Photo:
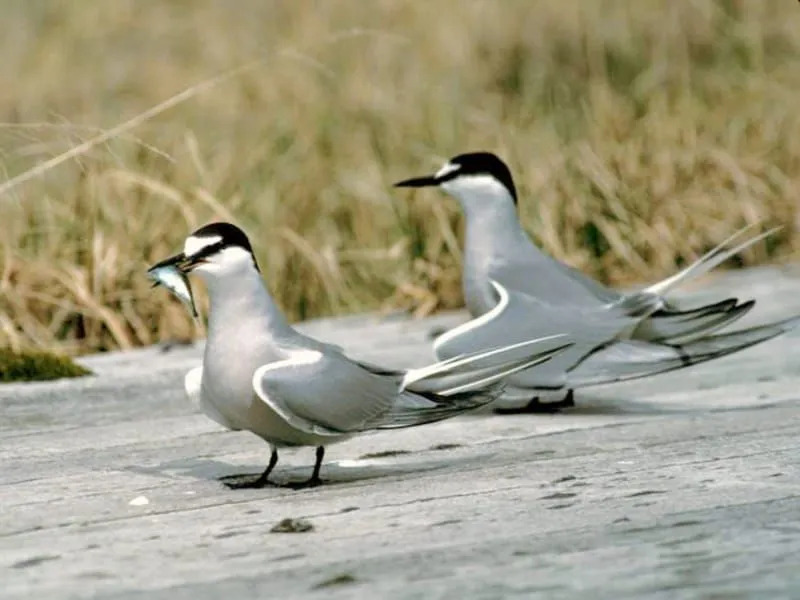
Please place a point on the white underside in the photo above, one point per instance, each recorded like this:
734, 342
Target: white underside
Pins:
266, 417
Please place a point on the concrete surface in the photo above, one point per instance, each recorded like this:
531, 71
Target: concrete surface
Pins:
685, 485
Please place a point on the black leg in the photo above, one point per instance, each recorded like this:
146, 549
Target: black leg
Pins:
315, 478
534, 406
262, 480
320, 454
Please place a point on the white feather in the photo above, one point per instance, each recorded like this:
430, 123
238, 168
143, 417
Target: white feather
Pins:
194, 244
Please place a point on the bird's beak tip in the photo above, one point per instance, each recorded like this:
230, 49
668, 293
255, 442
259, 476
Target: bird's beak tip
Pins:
173, 261
426, 181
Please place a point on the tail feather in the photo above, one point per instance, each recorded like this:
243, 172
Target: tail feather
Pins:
676, 327
418, 408
632, 359
651, 300
709, 261
464, 383
480, 369
670, 312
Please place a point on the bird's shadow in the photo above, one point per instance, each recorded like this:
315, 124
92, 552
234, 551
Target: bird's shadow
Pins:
394, 463
593, 406
333, 473
599, 405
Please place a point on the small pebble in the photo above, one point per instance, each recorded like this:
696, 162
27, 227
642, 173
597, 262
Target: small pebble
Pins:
139, 501
292, 526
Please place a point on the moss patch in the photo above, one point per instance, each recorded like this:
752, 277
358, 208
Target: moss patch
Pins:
36, 366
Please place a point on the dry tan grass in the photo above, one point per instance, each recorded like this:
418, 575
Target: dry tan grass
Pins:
640, 133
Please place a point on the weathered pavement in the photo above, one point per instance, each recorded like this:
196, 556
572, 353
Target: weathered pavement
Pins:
686, 485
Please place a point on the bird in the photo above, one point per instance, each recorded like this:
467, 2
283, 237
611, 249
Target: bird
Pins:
261, 375
514, 290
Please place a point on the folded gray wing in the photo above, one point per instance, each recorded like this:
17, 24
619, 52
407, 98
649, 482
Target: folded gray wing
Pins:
535, 273
325, 392
518, 317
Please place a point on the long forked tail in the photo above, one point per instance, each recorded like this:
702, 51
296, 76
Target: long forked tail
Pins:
463, 383
668, 324
650, 303
710, 260
631, 359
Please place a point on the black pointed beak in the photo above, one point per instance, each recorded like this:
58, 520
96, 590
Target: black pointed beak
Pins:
426, 181
179, 261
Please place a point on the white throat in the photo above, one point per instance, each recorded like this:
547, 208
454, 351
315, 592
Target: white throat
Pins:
493, 231
239, 300
480, 194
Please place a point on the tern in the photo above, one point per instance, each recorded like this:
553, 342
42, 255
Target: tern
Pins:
261, 375
514, 291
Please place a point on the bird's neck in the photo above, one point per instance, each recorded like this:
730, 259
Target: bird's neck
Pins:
242, 306
493, 232
491, 226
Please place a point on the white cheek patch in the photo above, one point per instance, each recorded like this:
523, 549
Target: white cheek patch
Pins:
483, 185
195, 245
446, 170
233, 255
230, 259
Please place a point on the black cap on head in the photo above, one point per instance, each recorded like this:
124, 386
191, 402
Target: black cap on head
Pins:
225, 235
229, 234
482, 163
472, 163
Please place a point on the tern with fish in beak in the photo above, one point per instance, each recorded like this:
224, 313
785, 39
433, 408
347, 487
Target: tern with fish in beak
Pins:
261, 375
166, 273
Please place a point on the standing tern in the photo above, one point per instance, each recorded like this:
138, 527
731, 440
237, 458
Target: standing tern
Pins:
261, 375
515, 291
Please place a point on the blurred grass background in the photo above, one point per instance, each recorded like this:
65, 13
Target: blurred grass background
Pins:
640, 133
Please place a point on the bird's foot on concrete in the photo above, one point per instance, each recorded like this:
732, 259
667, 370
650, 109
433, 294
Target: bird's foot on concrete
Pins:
238, 482
537, 407
302, 485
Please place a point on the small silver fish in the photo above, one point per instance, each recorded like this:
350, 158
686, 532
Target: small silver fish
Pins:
175, 280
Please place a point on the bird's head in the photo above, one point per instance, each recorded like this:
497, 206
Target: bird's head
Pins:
215, 251
472, 177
